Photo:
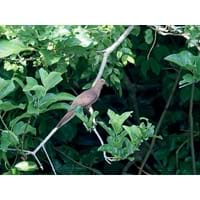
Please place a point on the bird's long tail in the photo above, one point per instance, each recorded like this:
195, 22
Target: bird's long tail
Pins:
66, 118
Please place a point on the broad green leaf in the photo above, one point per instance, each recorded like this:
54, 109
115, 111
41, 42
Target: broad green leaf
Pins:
6, 87
11, 47
8, 138
49, 57
7, 106
117, 120
43, 75
16, 119
59, 106
32, 85
183, 59
26, 166
23, 128
50, 80
50, 98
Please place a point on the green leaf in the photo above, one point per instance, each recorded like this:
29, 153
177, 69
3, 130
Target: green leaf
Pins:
51, 80
23, 128
107, 129
148, 36
8, 138
43, 75
50, 98
183, 59
7, 106
117, 120
134, 132
32, 85
16, 119
59, 106
119, 54
83, 37
136, 31
49, 57
131, 59
155, 67
187, 80
11, 47
6, 87
26, 166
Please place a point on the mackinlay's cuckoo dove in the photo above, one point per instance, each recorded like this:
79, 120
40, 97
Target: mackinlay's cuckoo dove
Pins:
85, 99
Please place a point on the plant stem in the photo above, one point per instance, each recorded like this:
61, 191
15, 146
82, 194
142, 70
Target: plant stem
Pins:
191, 122
160, 123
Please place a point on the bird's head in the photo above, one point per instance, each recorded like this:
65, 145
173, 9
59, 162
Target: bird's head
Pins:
99, 83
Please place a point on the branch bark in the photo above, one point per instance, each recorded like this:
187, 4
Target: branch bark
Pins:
160, 123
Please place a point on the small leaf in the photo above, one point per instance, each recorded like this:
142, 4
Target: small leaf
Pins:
148, 36
6, 87
43, 75
23, 128
131, 59
119, 54
51, 80
134, 132
8, 138
26, 166
107, 129
187, 80
7, 106
117, 120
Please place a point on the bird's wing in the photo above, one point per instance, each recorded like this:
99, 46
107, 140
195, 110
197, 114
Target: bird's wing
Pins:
86, 98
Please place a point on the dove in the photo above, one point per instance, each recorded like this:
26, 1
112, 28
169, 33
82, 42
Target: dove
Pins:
85, 99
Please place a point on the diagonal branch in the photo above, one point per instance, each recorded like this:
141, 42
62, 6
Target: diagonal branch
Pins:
160, 123
191, 122
109, 50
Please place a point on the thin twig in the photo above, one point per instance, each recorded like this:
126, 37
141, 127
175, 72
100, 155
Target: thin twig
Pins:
78, 163
45, 140
160, 122
51, 163
6, 127
107, 159
191, 122
109, 50
153, 45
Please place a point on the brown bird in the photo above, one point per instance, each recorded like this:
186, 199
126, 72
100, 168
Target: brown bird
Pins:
85, 99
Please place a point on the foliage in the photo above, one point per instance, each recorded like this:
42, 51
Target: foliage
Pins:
42, 69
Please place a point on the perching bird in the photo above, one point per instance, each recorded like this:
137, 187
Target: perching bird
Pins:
85, 99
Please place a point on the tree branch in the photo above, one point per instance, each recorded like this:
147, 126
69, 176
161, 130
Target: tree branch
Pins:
191, 122
109, 50
160, 123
